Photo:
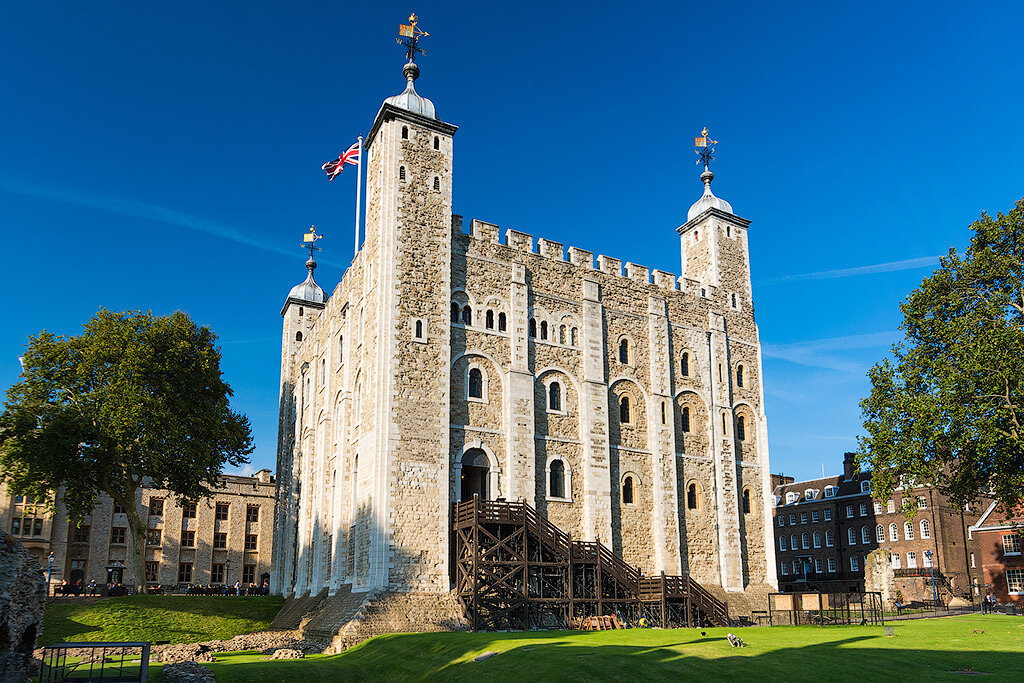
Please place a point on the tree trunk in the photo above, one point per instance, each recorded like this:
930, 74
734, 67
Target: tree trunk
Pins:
137, 565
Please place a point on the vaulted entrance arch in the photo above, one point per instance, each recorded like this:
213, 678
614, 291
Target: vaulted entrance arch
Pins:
476, 470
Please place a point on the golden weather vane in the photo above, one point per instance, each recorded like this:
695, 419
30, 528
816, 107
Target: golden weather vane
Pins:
409, 36
309, 240
705, 148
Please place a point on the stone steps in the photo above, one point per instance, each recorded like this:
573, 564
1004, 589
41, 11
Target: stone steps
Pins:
295, 608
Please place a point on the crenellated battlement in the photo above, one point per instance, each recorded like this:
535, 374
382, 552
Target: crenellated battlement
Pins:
557, 251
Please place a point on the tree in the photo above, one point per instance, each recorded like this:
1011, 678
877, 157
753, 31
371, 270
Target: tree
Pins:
948, 407
134, 399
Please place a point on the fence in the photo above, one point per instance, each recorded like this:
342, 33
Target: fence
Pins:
825, 609
95, 662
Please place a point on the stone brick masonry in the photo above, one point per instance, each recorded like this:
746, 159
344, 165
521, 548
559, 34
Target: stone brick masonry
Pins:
449, 363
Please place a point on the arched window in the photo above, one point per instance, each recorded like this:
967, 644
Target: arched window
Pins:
830, 538
401, 172
894, 532
533, 327
555, 396
686, 419
684, 365
794, 542
405, 132
627, 490
476, 383
574, 337
437, 142
437, 183
926, 531
741, 428
467, 315
556, 479
805, 541
739, 376
419, 329
908, 531
865, 535
298, 336
624, 410
489, 323
851, 536
561, 334
543, 329
501, 322
692, 498
880, 533
455, 312
301, 311
817, 539
624, 351
746, 501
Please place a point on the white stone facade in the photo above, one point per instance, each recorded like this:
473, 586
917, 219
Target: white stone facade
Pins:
428, 375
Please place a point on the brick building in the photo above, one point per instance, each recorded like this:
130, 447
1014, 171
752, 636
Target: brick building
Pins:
826, 527
221, 539
999, 539
626, 407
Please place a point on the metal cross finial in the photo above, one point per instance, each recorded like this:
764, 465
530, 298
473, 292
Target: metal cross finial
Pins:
705, 148
309, 241
409, 36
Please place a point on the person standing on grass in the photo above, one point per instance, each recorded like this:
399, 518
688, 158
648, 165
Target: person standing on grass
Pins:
238, 587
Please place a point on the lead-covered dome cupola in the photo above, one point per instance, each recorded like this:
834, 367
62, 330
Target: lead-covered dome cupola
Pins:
409, 99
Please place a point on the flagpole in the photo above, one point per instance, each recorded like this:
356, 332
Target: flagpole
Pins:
359, 188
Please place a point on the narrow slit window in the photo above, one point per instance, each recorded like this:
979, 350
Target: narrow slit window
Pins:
298, 336
624, 410
489, 321
543, 329
739, 376
627, 490
467, 315
692, 499
746, 502
741, 428
685, 421
405, 132
663, 417
555, 396
501, 322
684, 365
455, 312
401, 172
575, 337
533, 328
437, 184
624, 351
437, 142
476, 383
419, 329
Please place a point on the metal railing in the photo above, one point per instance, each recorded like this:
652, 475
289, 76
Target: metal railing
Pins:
101, 662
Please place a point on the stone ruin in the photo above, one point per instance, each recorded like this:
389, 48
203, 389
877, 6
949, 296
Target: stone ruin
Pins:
22, 596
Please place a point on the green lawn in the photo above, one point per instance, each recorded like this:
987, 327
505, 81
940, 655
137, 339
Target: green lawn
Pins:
177, 618
927, 648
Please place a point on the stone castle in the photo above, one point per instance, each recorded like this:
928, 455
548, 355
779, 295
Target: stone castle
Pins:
627, 408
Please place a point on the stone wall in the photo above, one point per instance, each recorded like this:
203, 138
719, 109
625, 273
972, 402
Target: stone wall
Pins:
22, 596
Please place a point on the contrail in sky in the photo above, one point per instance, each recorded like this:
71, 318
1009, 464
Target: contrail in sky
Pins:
890, 267
137, 209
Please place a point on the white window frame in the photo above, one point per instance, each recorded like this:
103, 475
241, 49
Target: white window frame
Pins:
561, 396
922, 503
851, 535
1016, 575
849, 512
925, 528
792, 497
911, 560
878, 507
908, 531
830, 491
1011, 544
783, 544
785, 568
831, 565
865, 486
814, 515
805, 541
891, 506
816, 539
854, 563
865, 535
894, 532
803, 518
826, 514
782, 519
483, 383
830, 539
863, 510
894, 560
880, 533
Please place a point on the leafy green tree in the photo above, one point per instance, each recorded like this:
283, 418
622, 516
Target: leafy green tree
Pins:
948, 407
135, 398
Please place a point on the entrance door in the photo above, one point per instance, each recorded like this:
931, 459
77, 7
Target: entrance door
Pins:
475, 470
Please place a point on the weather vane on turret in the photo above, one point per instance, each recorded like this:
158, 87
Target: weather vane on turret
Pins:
705, 148
309, 241
409, 36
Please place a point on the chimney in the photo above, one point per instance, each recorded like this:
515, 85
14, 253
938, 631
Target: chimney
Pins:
265, 476
849, 465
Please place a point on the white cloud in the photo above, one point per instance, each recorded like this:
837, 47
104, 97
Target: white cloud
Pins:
829, 353
889, 267
137, 209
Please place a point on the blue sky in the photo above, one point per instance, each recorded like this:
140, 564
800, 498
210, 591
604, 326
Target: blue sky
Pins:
167, 156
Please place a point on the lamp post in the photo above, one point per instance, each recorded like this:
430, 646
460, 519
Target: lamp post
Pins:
49, 570
931, 567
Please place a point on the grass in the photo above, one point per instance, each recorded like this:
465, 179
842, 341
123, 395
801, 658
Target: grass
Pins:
175, 618
933, 649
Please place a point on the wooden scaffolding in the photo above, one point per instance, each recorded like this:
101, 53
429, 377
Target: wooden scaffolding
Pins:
516, 570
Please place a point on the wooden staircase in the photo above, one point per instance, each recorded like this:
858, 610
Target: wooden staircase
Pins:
516, 570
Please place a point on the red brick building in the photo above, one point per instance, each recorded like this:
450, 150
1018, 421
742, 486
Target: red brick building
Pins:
825, 528
999, 539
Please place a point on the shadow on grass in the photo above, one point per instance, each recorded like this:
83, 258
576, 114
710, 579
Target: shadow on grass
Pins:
678, 655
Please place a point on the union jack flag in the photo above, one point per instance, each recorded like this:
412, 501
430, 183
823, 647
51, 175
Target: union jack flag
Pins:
349, 156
